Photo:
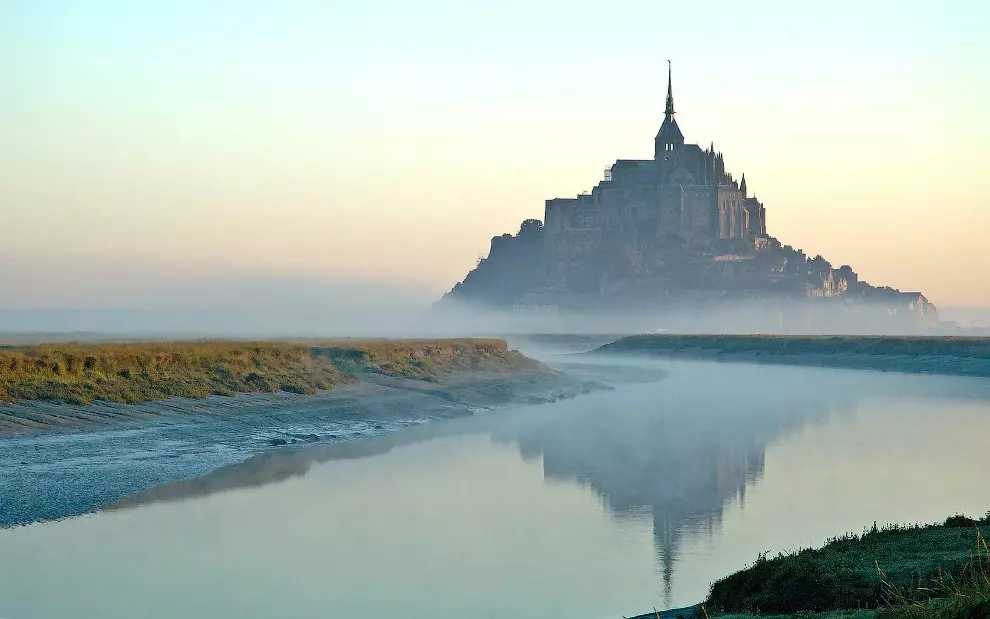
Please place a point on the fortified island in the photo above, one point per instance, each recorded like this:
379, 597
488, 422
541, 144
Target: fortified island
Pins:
677, 235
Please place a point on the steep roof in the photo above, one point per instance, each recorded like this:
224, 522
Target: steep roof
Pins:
669, 131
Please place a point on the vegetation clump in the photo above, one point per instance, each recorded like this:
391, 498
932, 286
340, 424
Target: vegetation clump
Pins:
915, 572
133, 372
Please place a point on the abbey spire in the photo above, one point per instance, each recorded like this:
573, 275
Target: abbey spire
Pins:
669, 139
669, 111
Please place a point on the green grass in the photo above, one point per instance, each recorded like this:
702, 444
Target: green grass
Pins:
132, 372
835, 614
916, 572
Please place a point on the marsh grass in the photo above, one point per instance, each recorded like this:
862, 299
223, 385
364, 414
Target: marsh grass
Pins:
959, 356
789, 345
133, 372
891, 567
965, 595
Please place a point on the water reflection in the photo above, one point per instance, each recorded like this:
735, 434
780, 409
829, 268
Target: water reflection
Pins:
679, 452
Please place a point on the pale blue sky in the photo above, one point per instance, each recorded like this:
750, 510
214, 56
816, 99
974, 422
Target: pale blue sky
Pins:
391, 140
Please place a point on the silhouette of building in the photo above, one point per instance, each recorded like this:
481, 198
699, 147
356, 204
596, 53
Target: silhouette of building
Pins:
678, 234
683, 194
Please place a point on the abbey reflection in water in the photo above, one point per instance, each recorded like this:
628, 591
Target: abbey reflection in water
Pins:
681, 450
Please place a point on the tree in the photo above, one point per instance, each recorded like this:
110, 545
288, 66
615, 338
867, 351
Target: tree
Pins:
531, 226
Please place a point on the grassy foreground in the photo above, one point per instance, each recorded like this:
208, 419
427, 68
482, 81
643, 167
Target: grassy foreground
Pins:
133, 372
916, 572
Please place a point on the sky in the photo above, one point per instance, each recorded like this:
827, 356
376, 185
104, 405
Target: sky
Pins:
154, 150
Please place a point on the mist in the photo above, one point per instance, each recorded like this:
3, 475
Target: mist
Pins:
144, 299
292, 308
776, 316
223, 305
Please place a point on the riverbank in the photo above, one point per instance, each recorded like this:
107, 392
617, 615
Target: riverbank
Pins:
958, 356
59, 387
71, 459
936, 571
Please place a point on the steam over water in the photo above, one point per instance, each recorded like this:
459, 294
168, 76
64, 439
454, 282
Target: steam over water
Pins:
597, 507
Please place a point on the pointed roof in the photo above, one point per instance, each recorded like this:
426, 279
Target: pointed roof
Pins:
669, 110
669, 131
742, 185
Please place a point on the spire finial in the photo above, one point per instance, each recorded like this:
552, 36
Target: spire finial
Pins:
670, 93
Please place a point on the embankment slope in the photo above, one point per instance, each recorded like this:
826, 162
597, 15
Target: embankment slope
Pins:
76, 385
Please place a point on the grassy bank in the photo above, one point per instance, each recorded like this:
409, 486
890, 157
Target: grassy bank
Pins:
920, 572
965, 356
133, 372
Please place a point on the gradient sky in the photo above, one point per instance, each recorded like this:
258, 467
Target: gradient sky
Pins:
382, 141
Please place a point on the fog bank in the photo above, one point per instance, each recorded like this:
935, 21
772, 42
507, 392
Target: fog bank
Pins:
129, 304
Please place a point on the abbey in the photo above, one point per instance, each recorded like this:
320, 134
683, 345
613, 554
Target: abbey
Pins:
682, 195
677, 236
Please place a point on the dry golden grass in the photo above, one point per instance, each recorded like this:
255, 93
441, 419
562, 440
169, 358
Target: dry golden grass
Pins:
141, 371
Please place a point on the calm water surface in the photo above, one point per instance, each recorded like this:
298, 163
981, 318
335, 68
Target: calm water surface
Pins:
598, 507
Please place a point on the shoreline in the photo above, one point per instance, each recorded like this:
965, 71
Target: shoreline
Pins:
947, 356
67, 386
83, 467
458, 392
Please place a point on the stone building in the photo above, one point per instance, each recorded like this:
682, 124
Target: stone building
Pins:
683, 196
676, 235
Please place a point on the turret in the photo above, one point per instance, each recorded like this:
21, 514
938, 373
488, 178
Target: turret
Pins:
742, 185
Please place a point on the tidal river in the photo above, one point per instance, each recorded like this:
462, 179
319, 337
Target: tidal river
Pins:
591, 508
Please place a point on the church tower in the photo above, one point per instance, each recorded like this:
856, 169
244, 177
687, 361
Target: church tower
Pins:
669, 139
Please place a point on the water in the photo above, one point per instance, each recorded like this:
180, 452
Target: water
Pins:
598, 507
